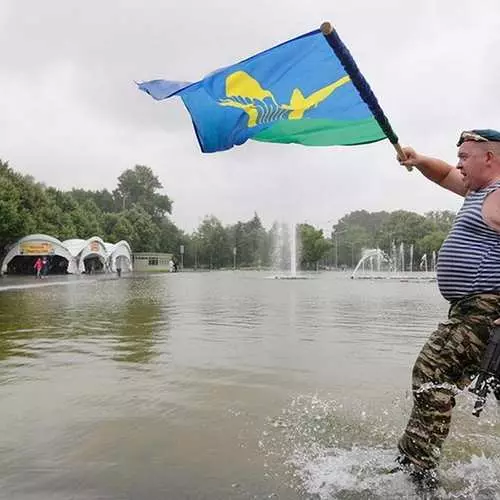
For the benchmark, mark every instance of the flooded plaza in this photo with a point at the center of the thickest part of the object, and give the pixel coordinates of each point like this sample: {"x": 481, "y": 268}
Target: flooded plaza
{"x": 221, "y": 385}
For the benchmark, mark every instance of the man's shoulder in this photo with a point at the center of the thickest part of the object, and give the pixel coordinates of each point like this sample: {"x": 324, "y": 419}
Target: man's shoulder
{"x": 491, "y": 209}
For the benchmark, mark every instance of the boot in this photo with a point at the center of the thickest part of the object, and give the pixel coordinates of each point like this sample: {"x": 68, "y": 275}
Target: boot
{"x": 425, "y": 480}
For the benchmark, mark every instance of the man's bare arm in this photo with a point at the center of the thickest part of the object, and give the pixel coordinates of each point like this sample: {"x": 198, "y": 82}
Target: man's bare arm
{"x": 436, "y": 170}
{"x": 491, "y": 210}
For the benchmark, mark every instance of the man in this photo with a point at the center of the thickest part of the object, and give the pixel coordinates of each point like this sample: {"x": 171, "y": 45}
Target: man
{"x": 468, "y": 275}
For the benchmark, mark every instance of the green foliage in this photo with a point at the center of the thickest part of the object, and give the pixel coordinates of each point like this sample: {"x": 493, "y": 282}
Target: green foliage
{"x": 431, "y": 242}
{"x": 139, "y": 186}
{"x": 103, "y": 199}
{"x": 144, "y": 236}
{"x": 313, "y": 246}
{"x": 136, "y": 211}
{"x": 382, "y": 230}
{"x": 251, "y": 242}
{"x": 442, "y": 220}
{"x": 213, "y": 249}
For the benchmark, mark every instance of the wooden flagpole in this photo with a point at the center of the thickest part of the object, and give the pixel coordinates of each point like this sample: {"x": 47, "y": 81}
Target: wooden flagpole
{"x": 361, "y": 86}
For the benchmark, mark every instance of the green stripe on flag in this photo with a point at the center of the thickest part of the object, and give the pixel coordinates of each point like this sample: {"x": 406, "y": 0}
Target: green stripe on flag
{"x": 321, "y": 132}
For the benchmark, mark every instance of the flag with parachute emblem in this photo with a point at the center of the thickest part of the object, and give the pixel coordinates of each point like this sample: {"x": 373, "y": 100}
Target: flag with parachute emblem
{"x": 307, "y": 91}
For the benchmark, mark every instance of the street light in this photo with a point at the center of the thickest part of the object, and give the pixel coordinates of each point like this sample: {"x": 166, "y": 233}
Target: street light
{"x": 336, "y": 235}
{"x": 352, "y": 254}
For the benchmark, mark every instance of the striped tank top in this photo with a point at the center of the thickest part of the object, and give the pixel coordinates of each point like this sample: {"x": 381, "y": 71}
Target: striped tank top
{"x": 469, "y": 260}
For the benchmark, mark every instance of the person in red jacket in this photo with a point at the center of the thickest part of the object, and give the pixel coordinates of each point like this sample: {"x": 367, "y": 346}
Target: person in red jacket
{"x": 38, "y": 266}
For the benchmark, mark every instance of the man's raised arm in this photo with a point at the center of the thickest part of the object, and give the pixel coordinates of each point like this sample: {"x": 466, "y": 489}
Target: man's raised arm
{"x": 436, "y": 170}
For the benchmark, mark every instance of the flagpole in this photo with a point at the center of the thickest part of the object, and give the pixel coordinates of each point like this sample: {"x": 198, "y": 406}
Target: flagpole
{"x": 361, "y": 85}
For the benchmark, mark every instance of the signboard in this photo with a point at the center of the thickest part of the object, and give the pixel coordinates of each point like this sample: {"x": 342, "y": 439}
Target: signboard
{"x": 94, "y": 246}
{"x": 182, "y": 249}
{"x": 36, "y": 248}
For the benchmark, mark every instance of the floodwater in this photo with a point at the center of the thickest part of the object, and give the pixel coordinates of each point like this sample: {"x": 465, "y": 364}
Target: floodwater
{"x": 221, "y": 385}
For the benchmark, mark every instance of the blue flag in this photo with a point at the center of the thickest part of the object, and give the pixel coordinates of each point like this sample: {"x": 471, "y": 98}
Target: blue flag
{"x": 297, "y": 92}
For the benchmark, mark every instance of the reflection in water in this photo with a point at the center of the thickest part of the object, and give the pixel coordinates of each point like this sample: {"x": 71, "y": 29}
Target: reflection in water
{"x": 93, "y": 317}
{"x": 199, "y": 385}
{"x": 139, "y": 324}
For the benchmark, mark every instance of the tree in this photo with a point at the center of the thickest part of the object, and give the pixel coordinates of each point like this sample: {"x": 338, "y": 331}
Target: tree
{"x": 144, "y": 233}
{"x": 313, "y": 245}
{"x": 117, "y": 227}
{"x": 431, "y": 242}
{"x": 21, "y": 200}
{"x": 87, "y": 220}
{"x": 12, "y": 225}
{"x": 250, "y": 240}
{"x": 170, "y": 237}
{"x": 442, "y": 220}
{"x": 214, "y": 250}
{"x": 405, "y": 227}
{"x": 103, "y": 199}
{"x": 139, "y": 186}
{"x": 136, "y": 211}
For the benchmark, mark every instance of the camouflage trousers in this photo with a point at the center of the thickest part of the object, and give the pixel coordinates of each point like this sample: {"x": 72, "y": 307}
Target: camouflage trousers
{"x": 446, "y": 365}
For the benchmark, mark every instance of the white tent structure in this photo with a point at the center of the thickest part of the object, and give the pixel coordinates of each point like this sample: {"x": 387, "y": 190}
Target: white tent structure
{"x": 85, "y": 249}
{"x": 119, "y": 256}
{"x": 75, "y": 251}
{"x": 36, "y": 245}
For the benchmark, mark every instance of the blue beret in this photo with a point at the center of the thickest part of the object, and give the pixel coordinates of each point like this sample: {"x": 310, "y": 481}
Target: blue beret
{"x": 479, "y": 135}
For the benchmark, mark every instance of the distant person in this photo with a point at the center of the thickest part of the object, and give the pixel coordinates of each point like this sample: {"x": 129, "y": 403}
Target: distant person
{"x": 45, "y": 266}
{"x": 38, "y": 266}
{"x": 175, "y": 265}
{"x": 118, "y": 271}
{"x": 171, "y": 266}
{"x": 468, "y": 276}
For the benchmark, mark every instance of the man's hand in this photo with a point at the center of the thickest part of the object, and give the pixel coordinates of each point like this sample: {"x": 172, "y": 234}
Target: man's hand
{"x": 412, "y": 159}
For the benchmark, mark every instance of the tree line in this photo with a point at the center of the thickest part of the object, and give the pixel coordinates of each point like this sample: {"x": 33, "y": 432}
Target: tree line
{"x": 138, "y": 212}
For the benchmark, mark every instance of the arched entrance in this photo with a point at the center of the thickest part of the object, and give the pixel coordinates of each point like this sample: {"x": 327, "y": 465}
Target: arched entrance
{"x": 22, "y": 256}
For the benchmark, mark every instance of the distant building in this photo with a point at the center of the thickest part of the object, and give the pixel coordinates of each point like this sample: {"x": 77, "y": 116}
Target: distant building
{"x": 73, "y": 256}
{"x": 149, "y": 261}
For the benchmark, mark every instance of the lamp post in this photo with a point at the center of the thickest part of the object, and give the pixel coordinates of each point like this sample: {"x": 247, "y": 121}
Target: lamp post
{"x": 336, "y": 235}
{"x": 234, "y": 258}
{"x": 182, "y": 257}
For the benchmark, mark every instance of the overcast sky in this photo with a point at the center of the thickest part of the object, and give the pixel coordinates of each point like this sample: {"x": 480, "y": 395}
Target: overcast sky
{"x": 71, "y": 115}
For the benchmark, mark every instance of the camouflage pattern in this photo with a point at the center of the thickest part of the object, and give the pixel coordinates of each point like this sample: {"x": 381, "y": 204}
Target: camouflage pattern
{"x": 446, "y": 365}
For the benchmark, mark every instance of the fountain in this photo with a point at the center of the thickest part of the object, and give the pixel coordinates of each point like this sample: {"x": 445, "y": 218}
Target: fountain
{"x": 423, "y": 263}
{"x": 383, "y": 262}
{"x": 285, "y": 252}
{"x": 393, "y": 266}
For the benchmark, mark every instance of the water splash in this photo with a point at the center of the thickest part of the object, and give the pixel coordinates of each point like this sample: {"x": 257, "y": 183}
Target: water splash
{"x": 345, "y": 451}
{"x": 351, "y": 473}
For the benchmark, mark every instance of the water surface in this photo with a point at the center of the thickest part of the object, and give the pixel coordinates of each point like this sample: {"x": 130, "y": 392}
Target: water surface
{"x": 220, "y": 385}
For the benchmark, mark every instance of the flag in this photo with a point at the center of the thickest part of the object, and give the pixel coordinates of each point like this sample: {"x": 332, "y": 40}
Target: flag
{"x": 300, "y": 91}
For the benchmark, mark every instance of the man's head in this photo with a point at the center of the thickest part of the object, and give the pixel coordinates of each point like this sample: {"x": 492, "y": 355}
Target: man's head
{"x": 479, "y": 157}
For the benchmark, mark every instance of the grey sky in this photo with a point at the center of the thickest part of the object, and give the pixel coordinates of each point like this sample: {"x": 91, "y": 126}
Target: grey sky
{"x": 71, "y": 116}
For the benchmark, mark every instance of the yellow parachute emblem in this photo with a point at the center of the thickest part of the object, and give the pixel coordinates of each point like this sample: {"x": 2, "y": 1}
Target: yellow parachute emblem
{"x": 246, "y": 93}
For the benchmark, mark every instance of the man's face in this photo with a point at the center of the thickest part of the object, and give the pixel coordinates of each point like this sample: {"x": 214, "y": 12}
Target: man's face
{"x": 472, "y": 163}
